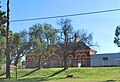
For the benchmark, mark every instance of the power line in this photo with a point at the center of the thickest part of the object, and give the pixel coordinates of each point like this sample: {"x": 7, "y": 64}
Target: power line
{"x": 70, "y": 15}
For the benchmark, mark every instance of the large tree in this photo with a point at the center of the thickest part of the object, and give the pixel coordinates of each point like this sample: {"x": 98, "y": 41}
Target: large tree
{"x": 68, "y": 36}
{"x": 42, "y": 37}
{"x": 19, "y": 45}
{"x": 117, "y": 36}
{"x": 66, "y": 32}
{"x": 39, "y": 49}
{"x": 2, "y": 35}
{"x": 36, "y": 34}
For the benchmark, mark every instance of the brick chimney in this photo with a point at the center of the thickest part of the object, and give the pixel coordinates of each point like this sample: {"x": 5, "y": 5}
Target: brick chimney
{"x": 76, "y": 37}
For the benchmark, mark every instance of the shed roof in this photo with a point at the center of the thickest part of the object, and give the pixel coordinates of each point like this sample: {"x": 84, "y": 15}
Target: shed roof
{"x": 109, "y": 53}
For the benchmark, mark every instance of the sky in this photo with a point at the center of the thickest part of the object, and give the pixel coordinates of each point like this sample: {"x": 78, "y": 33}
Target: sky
{"x": 102, "y": 25}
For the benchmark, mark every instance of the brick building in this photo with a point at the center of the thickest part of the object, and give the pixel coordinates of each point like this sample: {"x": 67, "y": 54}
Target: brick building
{"x": 77, "y": 53}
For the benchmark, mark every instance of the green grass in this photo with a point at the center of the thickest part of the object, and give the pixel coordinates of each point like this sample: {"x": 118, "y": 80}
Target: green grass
{"x": 96, "y": 74}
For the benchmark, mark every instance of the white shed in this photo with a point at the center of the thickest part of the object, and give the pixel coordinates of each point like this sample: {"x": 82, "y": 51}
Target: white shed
{"x": 107, "y": 59}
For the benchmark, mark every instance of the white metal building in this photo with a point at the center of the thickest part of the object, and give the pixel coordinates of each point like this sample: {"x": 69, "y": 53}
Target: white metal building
{"x": 107, "y": 59}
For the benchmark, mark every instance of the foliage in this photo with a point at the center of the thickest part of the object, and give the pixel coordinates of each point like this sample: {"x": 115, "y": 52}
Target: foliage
{"x": 2, "y": 18}
{"x": 2, "y": 36}
{"x": 39, "y": 49}
{"x": 50, "y": 34}
{"x": 41, "y": 38}
{"x": 37, "y": 40}
{"x": 19, "y": 46}
{"x": 2, "y": 50}
{"x": 117, "y": 36}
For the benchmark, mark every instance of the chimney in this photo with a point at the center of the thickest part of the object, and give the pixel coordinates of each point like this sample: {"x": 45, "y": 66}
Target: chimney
{"x": 76, "y": 38}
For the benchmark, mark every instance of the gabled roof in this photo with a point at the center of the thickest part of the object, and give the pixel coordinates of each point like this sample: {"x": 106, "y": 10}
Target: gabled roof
{"x": 75, "y": 46}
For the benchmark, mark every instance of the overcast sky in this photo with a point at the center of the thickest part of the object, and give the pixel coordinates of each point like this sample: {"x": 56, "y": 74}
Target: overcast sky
{"x": 102, "y": 25}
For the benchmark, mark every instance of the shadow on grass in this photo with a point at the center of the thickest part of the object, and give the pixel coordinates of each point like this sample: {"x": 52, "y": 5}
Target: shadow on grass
{"x": 48, "y": 78}
{"x": 2, "y": 74}
{"x": 57, "y": 72}
{"x": 110, "y": 81}
{"x": 2, "y": 78}
{"x": 40, "y": 79}
{"x": 30, "y": 72}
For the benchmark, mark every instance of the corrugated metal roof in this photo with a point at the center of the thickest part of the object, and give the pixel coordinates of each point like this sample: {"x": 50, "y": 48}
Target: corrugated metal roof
{"x": 109, "y": 54}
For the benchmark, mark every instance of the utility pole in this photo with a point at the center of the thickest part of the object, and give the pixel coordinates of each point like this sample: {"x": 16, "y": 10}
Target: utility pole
{"x": 7, "y": 43}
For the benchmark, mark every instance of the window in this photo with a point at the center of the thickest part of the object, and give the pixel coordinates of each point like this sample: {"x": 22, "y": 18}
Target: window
{"x": 78, "y": 59}
{"x": 105, "y": 58}
{"x": 69, "y": 60}
{"x": 83, "y": 60}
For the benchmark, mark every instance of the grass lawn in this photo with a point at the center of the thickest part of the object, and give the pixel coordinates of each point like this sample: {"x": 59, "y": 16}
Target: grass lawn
{"x": 90, "y": 74}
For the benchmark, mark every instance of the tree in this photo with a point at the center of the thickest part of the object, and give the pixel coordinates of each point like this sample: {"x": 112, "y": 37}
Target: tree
{"x": 2, "y": 34}
{"x": 5, "y": 19}
{"x": 37, "y": 38}
{"x": 7, "y": 42}
{"x": 2, "y": 45}
{"x": 16, "y": 43}
{"x": 67, "y": 32}
{"x": 50, "y": 33}
{"x": 2, "y": 50}
{"x": 39, "y": 49}
{"x": 2, "y": 18}
{"x": 68, "y": 36}
{"x": 19, "y": 45}
{"x": 42, "y": 38}
{"x": 117, "y": 36}
{"x": 3, "y": 31}
{"x": 85, "y": 37}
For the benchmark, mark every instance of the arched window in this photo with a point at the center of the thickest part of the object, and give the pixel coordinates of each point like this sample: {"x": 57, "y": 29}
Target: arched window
{"x": 29, "y": 61}
{"x": 83, "y": 60}
{"x": 53, "y": 61}
{"x": 33, "y": 62}
{"x": 78, "y": 59}
{"x": 69, "y": 60}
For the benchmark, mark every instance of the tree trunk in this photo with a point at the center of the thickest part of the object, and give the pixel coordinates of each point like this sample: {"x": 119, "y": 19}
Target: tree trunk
{"x": 7, "y": 44}
{"x": 39, "y": 62}
{"x": 65, "y": 51}
{"x": 16, "y": 71}
{"x": 65, "y": 61}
